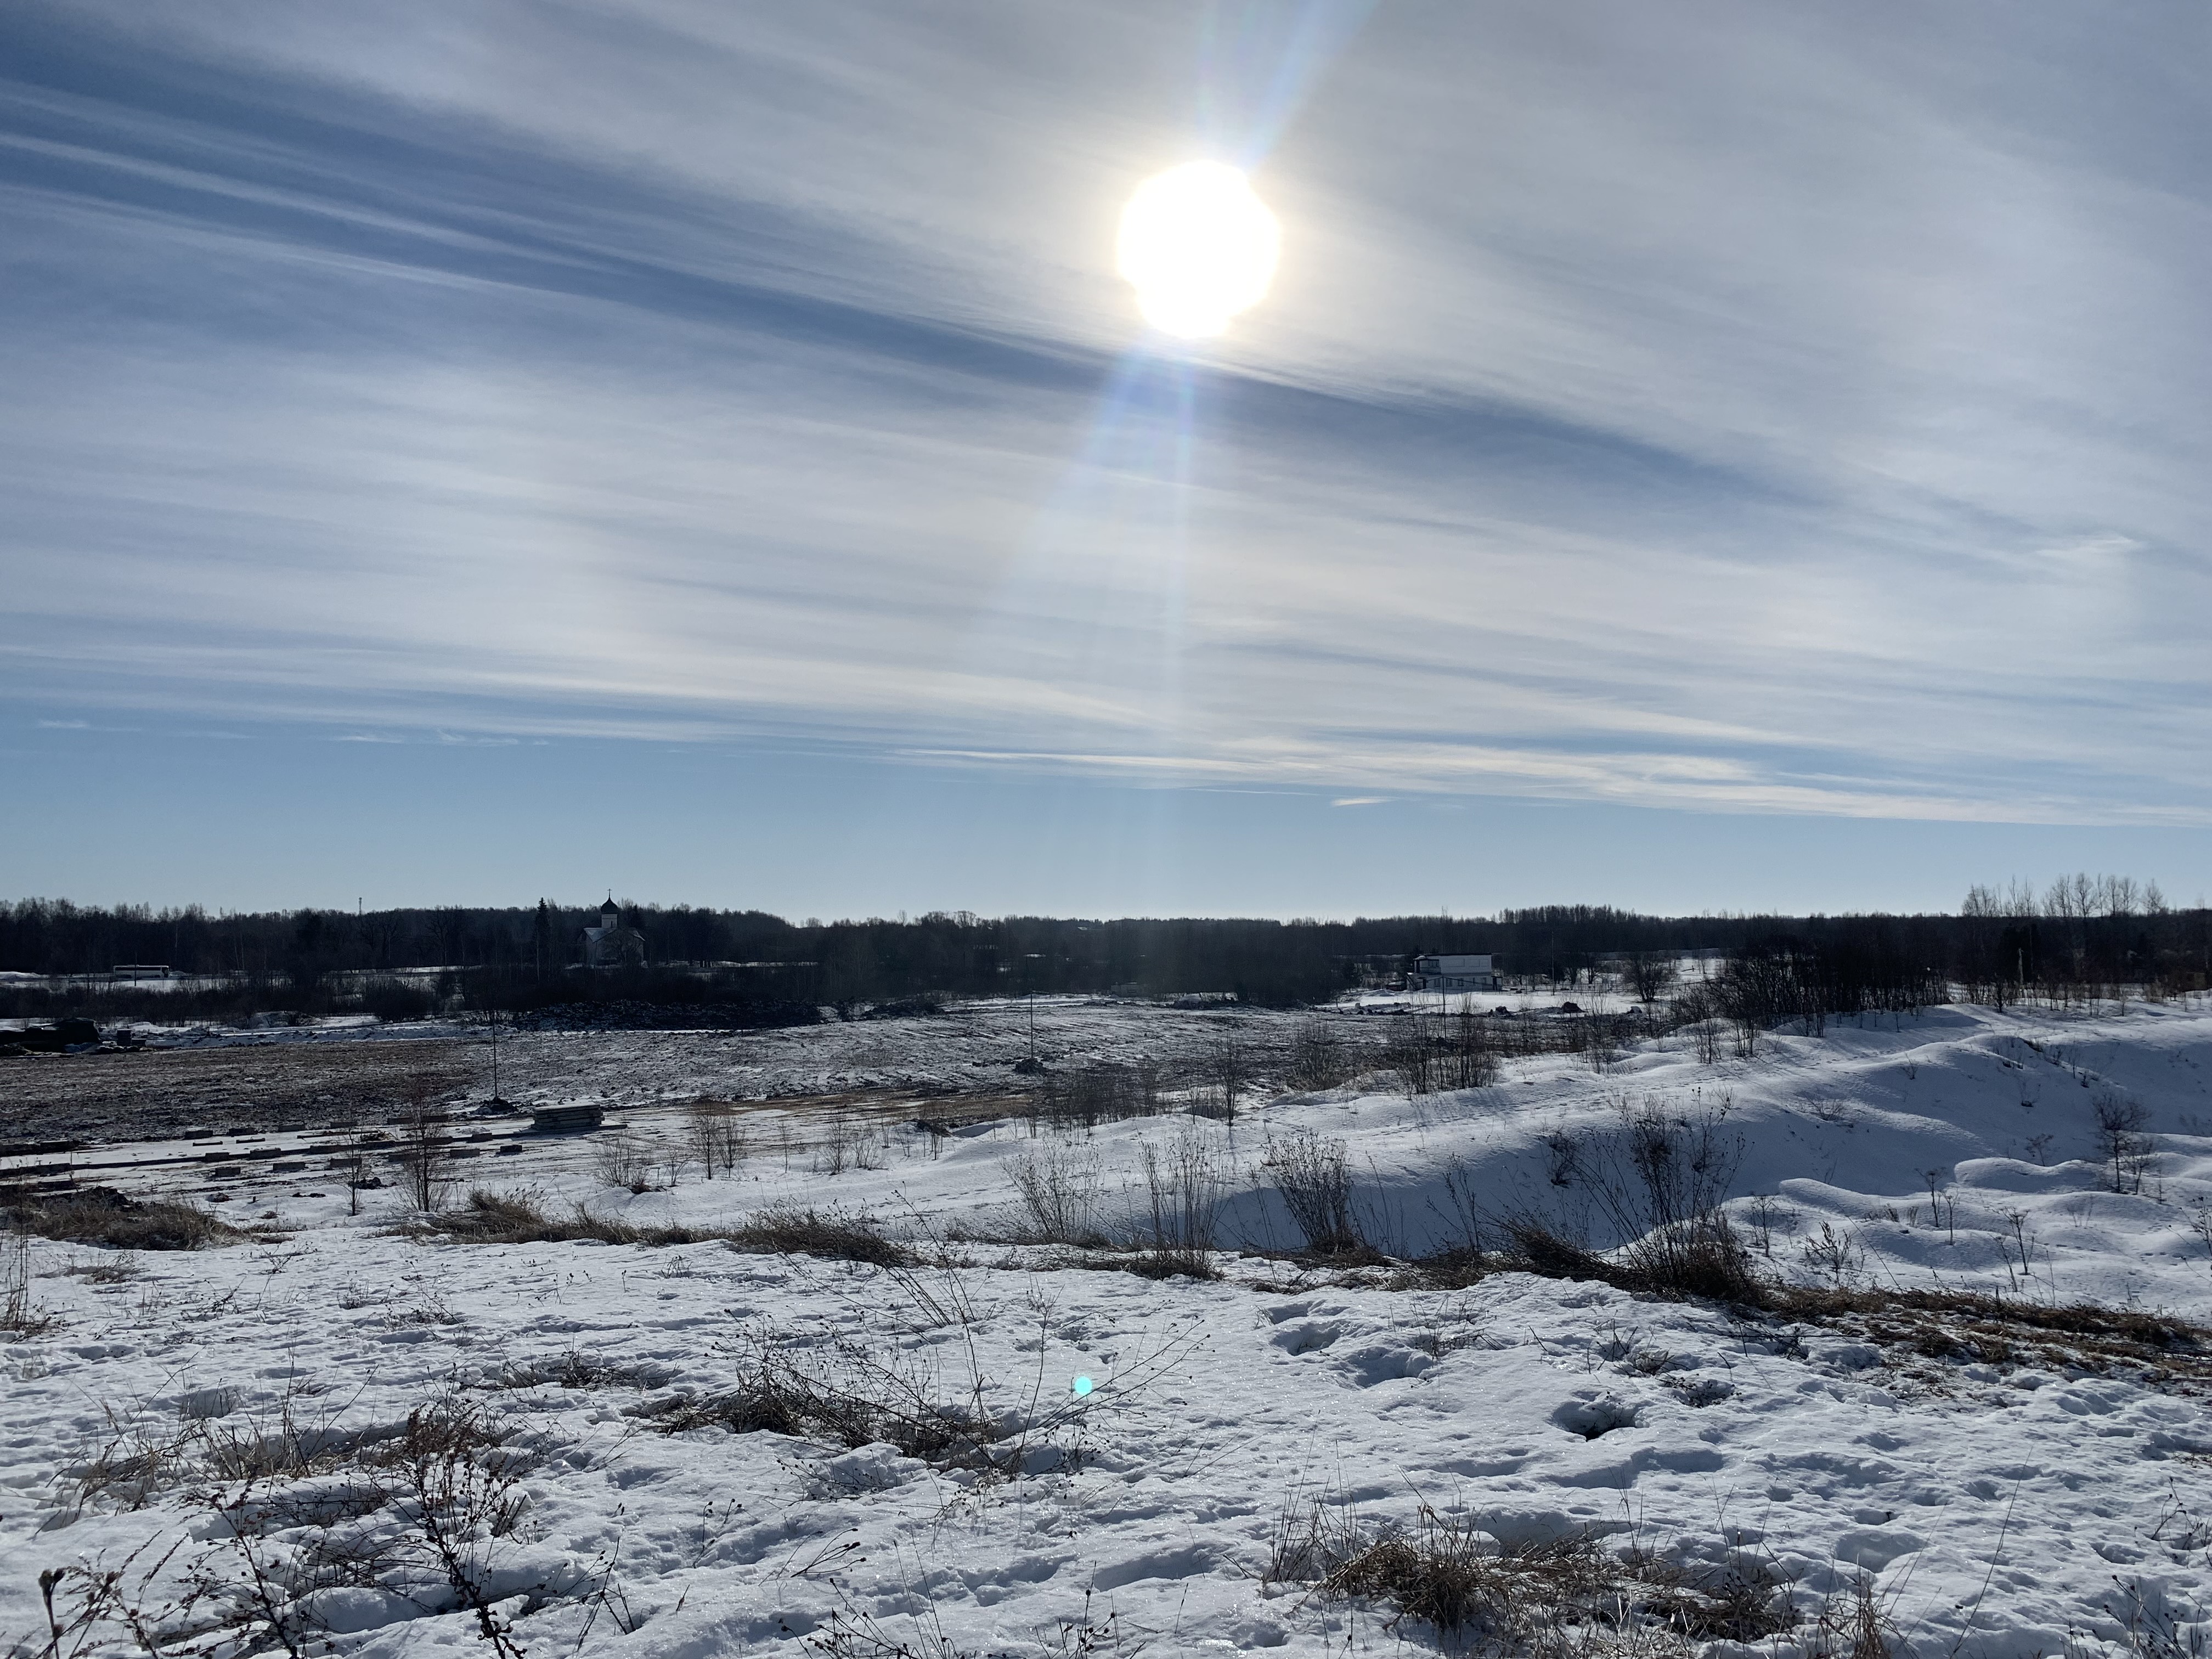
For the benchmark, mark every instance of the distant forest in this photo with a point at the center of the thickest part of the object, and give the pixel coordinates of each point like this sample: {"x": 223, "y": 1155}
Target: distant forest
{"x": 2080, "y": 931}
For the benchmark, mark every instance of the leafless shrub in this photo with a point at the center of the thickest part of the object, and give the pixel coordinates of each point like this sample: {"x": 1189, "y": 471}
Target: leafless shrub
{"x": 1224, "y": 1073}
{"x": 1413, "y": 1053}
{"x": 103, "y": 1216}
{"x": 2155, "y": 1625}
{"x": 1104, "y": 1093}
{"x": 121, "y": 1268}
{"x": 1854, "y": 1623}
{"x": 715, "y": 1134}
{"x": 1834, "y": 1255}
{"x": 850, "y": 1141}
{"x": 1649, "y": 973}
{"x": 1767, "y": 1210}
{"x": 1060, "y": 1188}
{"x": 296, "y": 1513}
{"x": 1314, "y": 1175}
{"x": 1659, "y": 1182}
{"x": 1470, "y": 1060}
{"x": 350, "y": 1164}
{"x": 424, "y": 1155}
{"x": 1538, "y": 1245}
{"x": 622, "y": 1158}
{"x": 1318, "y": 1060}
{"x": 1184, "y": 1191}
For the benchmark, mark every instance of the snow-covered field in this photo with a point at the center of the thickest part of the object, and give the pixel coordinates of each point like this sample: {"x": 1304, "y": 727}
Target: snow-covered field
{"x": 2040, "y": 1499}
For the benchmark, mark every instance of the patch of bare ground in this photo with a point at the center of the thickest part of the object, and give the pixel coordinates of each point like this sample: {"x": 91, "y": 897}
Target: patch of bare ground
{"x": 158, "y": 1092}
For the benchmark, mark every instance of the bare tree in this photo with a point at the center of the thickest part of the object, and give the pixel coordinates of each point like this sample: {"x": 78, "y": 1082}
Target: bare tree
{"x": 351, "y": 1164}
{"x": 716, "y": 1135}
{"x": 1650, "y": 972}
{"x": 2121, "y": 1140}
{"x": 425, "y": 1151}
{"x": 1228, "y": 1073}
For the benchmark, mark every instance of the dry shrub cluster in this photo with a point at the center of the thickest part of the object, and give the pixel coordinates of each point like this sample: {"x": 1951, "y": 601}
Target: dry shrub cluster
{"x": 1103, "y": 1092}
{"x": 1314, "y": 1175}
{"x": 101, "y": 1215}
{"x": 1432, "y": 1053}
{"x": 826, "y": 1234}
{"x": 578, "y": 1370}
{"x": 1184, "y": 1189}
{"x": 490, "y": 1217}
{"x": 848, "y": 1395}
{"x": 1555, "y": 1599}
{"x": 1060, "y": 1188}
{"x": 1699, "y": 1259}
{"x": 1657, "y": 1182}
{"x": 844, "y": 1395}
{"x": 304, "y": 1529}
{"x": 1958, "y": 1326}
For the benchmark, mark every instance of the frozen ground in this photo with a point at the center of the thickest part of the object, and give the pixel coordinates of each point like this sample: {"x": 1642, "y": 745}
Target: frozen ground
{"x": 297, "y": 1077}
{"x": 2034, "y": 1501}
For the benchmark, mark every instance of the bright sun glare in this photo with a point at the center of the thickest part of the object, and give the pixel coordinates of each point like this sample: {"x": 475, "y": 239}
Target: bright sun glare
{"x": 1198, "y": 247}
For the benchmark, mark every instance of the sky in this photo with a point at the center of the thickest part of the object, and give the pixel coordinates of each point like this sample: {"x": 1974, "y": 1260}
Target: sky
{"x": 1711, "y": 457}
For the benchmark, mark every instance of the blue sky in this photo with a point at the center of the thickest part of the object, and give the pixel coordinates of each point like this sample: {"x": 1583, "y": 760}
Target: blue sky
{"x": 1718, "y": 456}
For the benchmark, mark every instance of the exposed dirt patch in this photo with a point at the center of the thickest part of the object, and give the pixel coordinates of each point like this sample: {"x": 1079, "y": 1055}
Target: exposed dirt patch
{"x": 162, "y": 1092}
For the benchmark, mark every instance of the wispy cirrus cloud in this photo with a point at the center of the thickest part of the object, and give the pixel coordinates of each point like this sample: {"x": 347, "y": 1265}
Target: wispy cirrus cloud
{"x": 1731, "y": 410}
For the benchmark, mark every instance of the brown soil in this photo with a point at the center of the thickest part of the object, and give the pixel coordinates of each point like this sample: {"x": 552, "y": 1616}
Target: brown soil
{"x": 157, "y": 1093}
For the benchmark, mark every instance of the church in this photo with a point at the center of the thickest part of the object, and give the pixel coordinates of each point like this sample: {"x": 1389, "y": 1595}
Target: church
{"x": 611, "y": 944}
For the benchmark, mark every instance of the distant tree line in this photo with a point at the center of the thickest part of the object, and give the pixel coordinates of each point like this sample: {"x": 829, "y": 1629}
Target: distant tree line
{"x": 2081, "y": 932}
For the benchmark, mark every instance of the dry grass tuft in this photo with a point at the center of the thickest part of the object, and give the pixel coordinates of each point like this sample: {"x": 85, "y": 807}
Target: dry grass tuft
{"x": 848, "y": 1396}
{"x": 20, "y": 1314}
{"x": 1961, "y": 1327}
{"x": 809, "y": 1232}
{"x": 1698, "y": 1260}
{"x": 490, "y": 1217}
{"x": 103, "y": 1216}
{"x": 1563, "y": 1598}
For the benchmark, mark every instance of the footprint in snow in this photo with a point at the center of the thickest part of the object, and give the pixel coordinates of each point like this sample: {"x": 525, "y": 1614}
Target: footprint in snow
{"x": 1591, "y": 1413}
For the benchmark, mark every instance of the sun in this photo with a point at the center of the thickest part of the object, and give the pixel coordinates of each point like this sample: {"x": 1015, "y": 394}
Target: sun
{"x": 1198, "y": 247}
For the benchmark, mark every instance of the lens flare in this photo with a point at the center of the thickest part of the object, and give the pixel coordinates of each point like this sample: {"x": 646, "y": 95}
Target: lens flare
{"x": 1198, "y": 247}
{"x": 1083, "y": 1385}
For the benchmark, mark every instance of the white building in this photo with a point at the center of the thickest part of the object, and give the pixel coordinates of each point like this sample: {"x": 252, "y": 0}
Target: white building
{"x": 1460, "y": 972}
